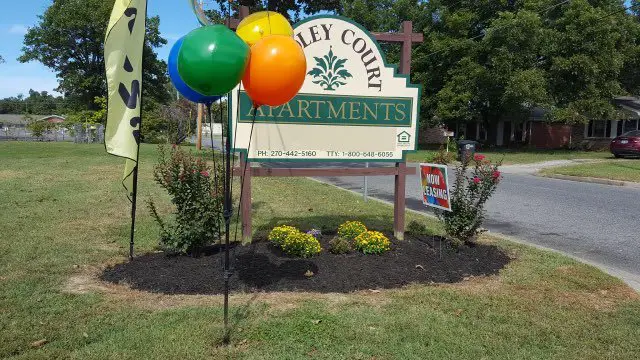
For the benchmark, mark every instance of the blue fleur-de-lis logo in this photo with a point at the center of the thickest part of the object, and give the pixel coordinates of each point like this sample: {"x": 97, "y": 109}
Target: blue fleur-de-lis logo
{"x": 330, "y": 72}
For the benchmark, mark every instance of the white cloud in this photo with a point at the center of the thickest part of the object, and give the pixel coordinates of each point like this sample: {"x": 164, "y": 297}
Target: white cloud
{"x": 18, "y": 29}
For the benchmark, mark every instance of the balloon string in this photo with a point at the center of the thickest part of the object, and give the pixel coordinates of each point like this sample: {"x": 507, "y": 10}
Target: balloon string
{"x": 213, "y": 155}
{"x": 244, "y": 171}
{"x": 269, "y": 17}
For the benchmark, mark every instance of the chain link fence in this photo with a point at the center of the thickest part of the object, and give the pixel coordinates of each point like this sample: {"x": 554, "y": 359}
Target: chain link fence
{"x": 79, "y": 133}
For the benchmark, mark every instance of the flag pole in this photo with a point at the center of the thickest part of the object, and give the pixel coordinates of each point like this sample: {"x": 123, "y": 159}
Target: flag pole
{"x": 134, "y": 198}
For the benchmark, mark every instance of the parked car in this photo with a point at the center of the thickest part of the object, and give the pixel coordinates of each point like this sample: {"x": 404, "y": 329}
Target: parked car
{"x": 626, "y": 144}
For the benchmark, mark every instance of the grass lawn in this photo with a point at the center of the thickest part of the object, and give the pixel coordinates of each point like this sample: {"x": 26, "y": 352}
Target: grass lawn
{"x": 624, "y": 170}
{"x": 510, "y": 157}
{"x": 64, "y": 216}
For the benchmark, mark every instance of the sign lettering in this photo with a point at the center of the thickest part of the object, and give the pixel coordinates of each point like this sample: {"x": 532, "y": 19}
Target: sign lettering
{"x": 352, "y": 106}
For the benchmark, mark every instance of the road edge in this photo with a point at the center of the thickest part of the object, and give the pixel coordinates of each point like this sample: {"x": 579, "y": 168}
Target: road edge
{"x": 591, "y": 180}
{"x": 631, "y": 280}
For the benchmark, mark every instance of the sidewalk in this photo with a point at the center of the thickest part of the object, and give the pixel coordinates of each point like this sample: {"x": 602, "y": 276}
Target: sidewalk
{"x": 536, "y": 167}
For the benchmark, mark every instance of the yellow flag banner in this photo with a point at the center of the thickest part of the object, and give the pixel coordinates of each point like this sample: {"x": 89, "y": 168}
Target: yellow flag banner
{"x": 123, "y": 46}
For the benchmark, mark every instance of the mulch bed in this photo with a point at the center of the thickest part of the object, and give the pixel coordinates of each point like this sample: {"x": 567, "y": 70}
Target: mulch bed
{"x": 263, "y": 267}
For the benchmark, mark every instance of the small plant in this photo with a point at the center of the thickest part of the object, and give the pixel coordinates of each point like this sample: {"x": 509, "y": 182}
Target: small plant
{"x": 315, "y": 233}
{"x": 301, "y": 244}
{"x": 197, "y": 200}
{"x": 443, "y": 157}
{"x": 280, "y": 233}
{"x": 416, "y": 228}
{"x": 468, "y": 197}
{"x": 351, "y": 229}
{"x": 372, "y": 242}
{"x": 339, "y": 245}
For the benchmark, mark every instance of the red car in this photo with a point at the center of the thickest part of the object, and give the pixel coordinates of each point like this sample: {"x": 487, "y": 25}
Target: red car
{"x": 626, "y": 144}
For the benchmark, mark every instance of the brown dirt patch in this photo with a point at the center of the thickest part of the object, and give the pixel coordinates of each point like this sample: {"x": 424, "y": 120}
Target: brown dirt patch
{"x": 9, "y": 174}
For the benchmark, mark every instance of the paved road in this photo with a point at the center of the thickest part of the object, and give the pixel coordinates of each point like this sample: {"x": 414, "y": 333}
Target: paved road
{"x": 596, "y": 223}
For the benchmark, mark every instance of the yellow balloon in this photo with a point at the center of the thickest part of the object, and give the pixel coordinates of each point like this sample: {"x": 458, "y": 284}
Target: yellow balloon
{"x": 264, "y": 23}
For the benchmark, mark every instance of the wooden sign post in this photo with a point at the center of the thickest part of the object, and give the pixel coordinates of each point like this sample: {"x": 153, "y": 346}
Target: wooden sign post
{"x": 351, "y": 35}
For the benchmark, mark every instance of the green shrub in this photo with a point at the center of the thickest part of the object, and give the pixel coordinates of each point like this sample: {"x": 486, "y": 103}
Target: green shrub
{"x": 469, "y": 195}
{"x": 340, "y": 245}
{"x": 301, "y": 244}
{"x": 417, "y": 228}
{"x": 198, "y": 203}
{"x": 351, "y": 229}
{"x": 372, "y": 242}
{"x": 443, "y": 157}
{"x": 280, "y": 233}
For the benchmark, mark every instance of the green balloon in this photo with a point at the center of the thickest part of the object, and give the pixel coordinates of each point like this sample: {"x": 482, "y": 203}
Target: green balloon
{"x": 212, "y": 60}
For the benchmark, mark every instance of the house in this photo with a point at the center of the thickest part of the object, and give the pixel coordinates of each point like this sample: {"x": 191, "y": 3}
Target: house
{"x": 21, "y": 121}
{"x": 536, "y": 132}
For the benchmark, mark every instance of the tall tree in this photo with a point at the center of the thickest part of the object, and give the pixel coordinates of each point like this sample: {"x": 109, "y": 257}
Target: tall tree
{"x": 69, "y": 39}
{"x": 488, "y": 60}
{"x": 292, "y": 9}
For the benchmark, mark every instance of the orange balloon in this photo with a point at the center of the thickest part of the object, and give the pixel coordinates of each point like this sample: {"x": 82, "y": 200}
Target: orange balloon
{"x": 276, "y": 71}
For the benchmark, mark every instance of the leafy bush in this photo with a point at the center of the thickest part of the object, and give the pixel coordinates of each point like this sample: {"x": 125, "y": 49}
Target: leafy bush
{"x": 443, "y": 157}
{"x": 301, "y": 244}
{"x": 416, "y": 228}
{"x": 339, "y": 245}
{"x": 279, "y": 233}
{"x": 468, "y": 197}
{"x": 198, "y": 202}
{"x": 372, "y": 242}
{"x": 351, "y": 229}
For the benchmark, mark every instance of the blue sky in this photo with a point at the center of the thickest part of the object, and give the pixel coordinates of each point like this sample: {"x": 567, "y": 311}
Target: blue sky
{"x": 176, "y": 19}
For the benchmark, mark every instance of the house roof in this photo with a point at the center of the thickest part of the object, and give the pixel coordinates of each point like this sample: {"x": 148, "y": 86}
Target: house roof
{"x": 629, "y": 103}
{"x": 21, "y": 119}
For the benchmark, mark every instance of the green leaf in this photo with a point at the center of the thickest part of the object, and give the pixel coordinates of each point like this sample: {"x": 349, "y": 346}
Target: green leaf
{"x": 321, "y": 62}
{"x": 343, "y": 73}
{"x": 339, "y": 64}
{"x": 315, "y": 72}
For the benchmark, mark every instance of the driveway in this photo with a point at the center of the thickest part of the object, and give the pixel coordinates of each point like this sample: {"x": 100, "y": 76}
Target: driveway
{"x": 595, "y": 223}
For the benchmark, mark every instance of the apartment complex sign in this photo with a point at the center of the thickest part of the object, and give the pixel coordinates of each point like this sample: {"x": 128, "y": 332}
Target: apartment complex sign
{"x": 352, "y": 106}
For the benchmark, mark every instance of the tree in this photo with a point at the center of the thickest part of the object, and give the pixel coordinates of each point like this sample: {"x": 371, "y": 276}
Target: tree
{"x": 69, "y": 40}
{"x": 291, "y": 9}
{"x": 486, "y": 60}
{"x": 39, "y": 127}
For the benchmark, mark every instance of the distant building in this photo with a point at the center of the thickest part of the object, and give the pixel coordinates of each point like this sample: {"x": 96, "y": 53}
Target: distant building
{"x": 21, "y": 121}
{"x": 536, "y": 132}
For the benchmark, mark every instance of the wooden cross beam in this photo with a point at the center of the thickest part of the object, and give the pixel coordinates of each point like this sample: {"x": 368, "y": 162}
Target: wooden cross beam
{"x": 407, "y": 37}
{"x": 233, "y": 23}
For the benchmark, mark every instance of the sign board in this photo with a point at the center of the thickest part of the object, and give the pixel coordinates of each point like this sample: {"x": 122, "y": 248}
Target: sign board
{"x": 352, "y": 106}
{"x": 435, "y": 186}
{"x": 449, "y": 133}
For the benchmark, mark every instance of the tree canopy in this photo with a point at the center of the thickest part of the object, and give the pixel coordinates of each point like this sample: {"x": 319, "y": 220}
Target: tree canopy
{"x": 487, "y": 60}
{"x": 39, "y": 103}
{"x": 69, "y": 39}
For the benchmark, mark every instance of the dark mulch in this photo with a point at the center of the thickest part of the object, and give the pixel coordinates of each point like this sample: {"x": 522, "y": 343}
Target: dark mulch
{"x": 263, "y": 267}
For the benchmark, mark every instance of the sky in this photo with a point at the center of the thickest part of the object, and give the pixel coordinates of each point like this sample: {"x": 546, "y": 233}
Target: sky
{"x": 176, "y": 20}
